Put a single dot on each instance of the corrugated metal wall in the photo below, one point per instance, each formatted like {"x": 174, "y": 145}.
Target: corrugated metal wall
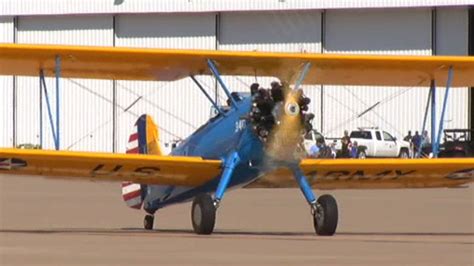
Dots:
{"x": 289, "y": 31}
{"x": 34, "y": 7}
{"x": 85, "y": 105}
{"x": 452, "y": 28}
{"x": 178, "y": 108}
{"x": 6, "y": 85}
{"x": 388, "y": 31}
{"x": 406, "y": 32}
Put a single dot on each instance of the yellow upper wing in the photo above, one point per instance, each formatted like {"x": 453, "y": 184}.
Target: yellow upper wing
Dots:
{"x": 167, "y": 65}
{"x": 143, "y": 169}
{"x": 376, "y": 173}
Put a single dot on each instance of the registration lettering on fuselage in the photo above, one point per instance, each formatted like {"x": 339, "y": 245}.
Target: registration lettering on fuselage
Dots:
{"x": 240, "y": 125}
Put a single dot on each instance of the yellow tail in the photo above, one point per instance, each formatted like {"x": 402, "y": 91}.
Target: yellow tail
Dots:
{"x": 152, "y": 137}
{"x": 146, "y": 138}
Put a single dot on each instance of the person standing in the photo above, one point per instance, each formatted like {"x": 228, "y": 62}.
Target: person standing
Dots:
{"x": 314, "y": 151}
{"x": 425, "y": 139}
{"x": 408, "y": 138}
{"x": 354, "y": 150}
{"x": 346, "y": 143}
{"x": 416, "y": 144}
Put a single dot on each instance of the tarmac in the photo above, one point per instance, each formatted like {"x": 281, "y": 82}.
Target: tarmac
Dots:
{"x": 54, "y": 222}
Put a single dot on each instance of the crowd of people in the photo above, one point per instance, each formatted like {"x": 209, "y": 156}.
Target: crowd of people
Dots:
{"x": 420, "y": 145}
{"x": 349, "y": 149}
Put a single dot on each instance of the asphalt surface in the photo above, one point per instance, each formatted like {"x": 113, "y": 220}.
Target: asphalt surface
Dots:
{"x": 52, "y": 222}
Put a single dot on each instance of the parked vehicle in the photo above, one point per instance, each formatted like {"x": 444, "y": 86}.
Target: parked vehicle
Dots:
{"x": 374, "y": 142}
{"x": 457, "y": 143}
{"x": 313, "y": 137}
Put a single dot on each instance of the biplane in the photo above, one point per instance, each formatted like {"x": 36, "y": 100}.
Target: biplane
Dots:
{"x": 255, "y": 141}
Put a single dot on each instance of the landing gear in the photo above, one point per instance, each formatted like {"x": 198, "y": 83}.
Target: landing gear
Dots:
{"x": 324, "y": 209}
{"x": 148, "y": 222}
{"x": 325, "y": 215}
{"x": 203, "y": 214}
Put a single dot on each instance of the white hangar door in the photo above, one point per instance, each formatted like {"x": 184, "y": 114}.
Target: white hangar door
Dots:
{"x": 377, "y": 31}
{"x": 452, "y": 27}
{"x": 286, "y": 31}
{"x": 400, "y": 31}
{"x": 178, "y": 107}
{"x": 85, "y": 105}
{"x": 6, "y": 86}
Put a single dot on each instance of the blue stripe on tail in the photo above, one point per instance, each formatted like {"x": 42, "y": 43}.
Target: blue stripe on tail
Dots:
{"x": 141, "y": 128}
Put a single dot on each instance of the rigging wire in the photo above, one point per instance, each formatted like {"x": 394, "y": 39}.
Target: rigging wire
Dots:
{"x": 124, "y": 110}
{"x": 383, "y": 101}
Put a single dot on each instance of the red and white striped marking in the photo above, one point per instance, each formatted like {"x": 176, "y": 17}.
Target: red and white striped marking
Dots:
{"x": 132, "y": 146}
{"x": 131, "y": 192}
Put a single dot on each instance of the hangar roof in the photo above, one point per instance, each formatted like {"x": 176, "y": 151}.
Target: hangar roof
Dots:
{"x": 63, "y": 7}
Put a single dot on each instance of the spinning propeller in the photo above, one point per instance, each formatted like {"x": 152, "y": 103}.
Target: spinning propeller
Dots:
{"x": 279, "y": 118}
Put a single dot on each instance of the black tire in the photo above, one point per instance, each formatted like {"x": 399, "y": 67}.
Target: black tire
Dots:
{"x": 404, "y": 154}
{"x": 362, "y": 155}
{"x": 203, "y": 214}
{"x": 326, "y": 216}
{"x": 148, "y": 222}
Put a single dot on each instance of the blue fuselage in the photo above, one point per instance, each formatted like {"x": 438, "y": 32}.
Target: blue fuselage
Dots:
{"x": 220, "y": 136}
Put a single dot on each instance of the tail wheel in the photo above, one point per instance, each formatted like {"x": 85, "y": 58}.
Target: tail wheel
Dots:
{"x": 203, "y": 214}
{"x": 325, "y": 216}
{"x": 148, "y": 222}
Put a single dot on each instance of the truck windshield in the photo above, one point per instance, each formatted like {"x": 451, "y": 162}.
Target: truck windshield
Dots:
{"x": 361, "y": 134}
{"x": 387, "y": 137}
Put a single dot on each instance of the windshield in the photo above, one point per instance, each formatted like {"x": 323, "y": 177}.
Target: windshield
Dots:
{"x": 361, "y": 134}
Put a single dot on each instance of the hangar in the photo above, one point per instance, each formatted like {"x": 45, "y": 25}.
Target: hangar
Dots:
{"x": 99, "y": 115}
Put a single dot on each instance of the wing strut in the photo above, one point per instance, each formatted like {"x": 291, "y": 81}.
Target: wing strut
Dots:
{"x": 207, "y": 95}
{"x": 215, "y": 72}
{"x": 435, "y": 136}
{"x": 432, "y": 84}
{"x": 441, "y": 119}
{"x": 433, "y": 119}
{"x": 42, "y": 84}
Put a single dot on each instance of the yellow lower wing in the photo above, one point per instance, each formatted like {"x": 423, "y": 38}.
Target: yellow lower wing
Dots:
{"x": 376, "y": 173}
{"x": 143, "y": 169}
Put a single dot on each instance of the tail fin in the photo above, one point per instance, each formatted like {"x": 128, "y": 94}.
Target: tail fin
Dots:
{"x": 144, "y": 140}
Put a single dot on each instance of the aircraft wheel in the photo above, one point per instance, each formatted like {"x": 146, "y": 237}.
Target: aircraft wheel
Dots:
{"x": 148, "y": 222}
{"x": 203, "y": 214}
{"x": 404, "y": 154}
{"x": 325, "y": 216}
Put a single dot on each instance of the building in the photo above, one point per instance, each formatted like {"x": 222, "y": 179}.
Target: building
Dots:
{"x": 99, "y": 115}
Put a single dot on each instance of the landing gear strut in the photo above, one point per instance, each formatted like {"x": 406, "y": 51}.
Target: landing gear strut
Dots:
{"x": 203, "y": 213}
{"x": 324, "y": 209}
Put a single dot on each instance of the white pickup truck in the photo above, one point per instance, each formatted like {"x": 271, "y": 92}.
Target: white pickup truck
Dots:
{"x": 374, "y": 142}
